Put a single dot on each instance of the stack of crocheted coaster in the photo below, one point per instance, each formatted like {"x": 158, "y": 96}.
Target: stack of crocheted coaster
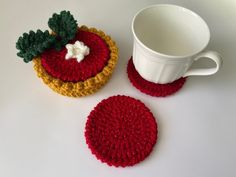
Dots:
{"x": 121, "y": 131}
{"x": 73, "y": 61}
{"x": 150, "y": 88}
{"x": 70, "y": 78}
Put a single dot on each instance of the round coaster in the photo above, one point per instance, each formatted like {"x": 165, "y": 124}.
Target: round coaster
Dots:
{"x": 121, "y": 131}
{"x": 150, "y": 88}
{"x": 56, "y": 65}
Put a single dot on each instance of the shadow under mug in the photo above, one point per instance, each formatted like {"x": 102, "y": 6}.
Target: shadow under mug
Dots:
{"x": 167, "y": 40}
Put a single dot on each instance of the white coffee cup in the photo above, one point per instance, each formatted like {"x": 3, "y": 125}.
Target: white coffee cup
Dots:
{"x": 167, "y": 40}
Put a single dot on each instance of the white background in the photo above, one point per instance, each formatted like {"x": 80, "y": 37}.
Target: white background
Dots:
{"x": 42, "y": 133}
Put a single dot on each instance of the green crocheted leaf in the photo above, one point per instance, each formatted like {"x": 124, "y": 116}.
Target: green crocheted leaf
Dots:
{"x": 65, "y": 27}
{"x": 33, "y": 44}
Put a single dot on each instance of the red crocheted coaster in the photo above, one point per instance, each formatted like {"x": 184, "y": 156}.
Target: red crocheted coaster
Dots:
{"x": 150, "y": 88}
{"x": 56, "y": 65}
{"x": 121, "y": 131}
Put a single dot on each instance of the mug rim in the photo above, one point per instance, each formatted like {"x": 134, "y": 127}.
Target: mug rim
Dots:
{"x": 166, "y": 55}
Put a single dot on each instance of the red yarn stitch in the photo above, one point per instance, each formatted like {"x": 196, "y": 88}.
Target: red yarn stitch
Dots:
{"x": 121, "y": 131}
{"x": 150, "y": 88}
{"x": 56, "y": 65}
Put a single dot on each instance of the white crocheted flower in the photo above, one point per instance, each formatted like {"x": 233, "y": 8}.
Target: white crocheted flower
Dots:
{"x": 77, "y": 50}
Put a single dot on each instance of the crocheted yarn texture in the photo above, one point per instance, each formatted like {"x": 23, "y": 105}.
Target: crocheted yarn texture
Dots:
{"x": 150, "y": 88}
{"x": 121, "y": 131}
{"x": 69, "y": 78}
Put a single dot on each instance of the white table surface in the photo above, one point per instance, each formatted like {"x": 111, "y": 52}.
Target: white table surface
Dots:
{"x": 42, "y": 133}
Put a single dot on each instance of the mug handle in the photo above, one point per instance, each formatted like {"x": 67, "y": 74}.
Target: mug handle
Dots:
{"x": 207, "y": 71}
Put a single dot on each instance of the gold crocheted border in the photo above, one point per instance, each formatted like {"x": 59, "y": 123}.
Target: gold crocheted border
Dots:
{"x": 81, "y": 88}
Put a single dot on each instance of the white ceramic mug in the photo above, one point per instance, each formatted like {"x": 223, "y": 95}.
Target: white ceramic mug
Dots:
{"x": 167, "y": 40}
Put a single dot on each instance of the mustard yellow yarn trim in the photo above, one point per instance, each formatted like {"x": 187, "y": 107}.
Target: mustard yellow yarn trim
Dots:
{"x": 88, "y": 86}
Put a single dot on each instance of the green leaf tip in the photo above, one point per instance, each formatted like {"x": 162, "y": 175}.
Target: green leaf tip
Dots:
{"x": 64, "y": 26}
{"x": 32, "y": 44}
